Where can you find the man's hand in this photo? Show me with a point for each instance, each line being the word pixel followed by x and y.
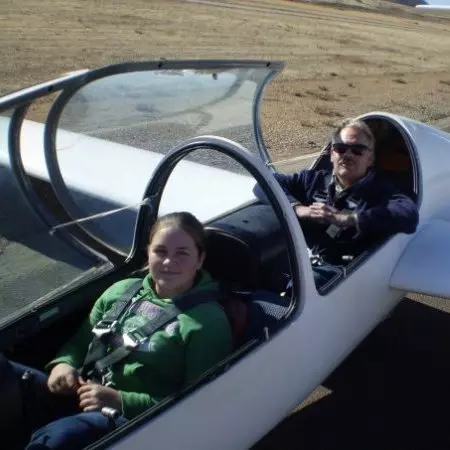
pixel 325 214
pixel 318 212
pixel 322 213
pixel 63 379
pixel 93 397
pixel 302 212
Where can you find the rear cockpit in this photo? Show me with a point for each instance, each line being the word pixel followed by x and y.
pixel 396 159
pixel 395 156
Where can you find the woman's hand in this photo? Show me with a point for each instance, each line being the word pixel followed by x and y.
pixel 63 379
pixel 93 397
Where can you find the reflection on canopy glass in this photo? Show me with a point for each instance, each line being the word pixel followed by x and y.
pixel 32 262
pixel 114 130
pixel 155 110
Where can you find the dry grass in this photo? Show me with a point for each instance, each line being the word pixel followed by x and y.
pixel 339 62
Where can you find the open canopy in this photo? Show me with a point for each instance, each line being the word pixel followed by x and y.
pixel 93 147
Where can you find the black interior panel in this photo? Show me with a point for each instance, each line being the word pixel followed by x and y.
pixel 247 248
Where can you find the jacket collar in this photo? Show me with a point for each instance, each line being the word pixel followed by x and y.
pixel 336 189
pixel 203 281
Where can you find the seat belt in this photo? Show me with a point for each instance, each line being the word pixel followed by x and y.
pixel 105 328
pixel 109 322
pixel 99 364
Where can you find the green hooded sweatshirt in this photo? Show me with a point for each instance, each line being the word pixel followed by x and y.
pixel 174 356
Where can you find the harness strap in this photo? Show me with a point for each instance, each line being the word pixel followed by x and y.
pixel 99 345
pixel 132 339
pixel 119 307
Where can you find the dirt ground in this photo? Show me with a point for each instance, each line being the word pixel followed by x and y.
pixel 339 61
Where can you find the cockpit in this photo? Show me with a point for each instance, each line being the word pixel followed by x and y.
pixel 115 156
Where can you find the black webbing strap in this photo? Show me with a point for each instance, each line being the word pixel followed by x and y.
pixel 121 305
pixel 166 315
pixel 99 345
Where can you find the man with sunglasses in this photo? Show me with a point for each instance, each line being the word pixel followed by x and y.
pixel 347 210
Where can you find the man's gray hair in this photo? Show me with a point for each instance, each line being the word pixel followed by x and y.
pixel 361 126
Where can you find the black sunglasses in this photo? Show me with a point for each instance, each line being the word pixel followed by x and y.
pixel 356 149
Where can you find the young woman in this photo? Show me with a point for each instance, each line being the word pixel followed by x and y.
pixel 163 363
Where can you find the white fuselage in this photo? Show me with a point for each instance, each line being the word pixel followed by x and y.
pixel 239 407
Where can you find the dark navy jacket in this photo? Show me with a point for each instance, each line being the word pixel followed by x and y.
pixel 382 211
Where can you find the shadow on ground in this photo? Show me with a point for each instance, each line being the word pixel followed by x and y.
pixel 391 393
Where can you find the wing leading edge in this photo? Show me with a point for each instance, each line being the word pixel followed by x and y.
pixel 431 244
pixel 434 7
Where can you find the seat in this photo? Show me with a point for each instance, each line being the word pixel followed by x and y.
pixel 267 315
pixel 230 260
pixel 393 158
pixel 238 314
pixel 255 315
pixel 245 253
pixel 248 249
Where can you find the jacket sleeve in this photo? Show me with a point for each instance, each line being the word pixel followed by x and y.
pixel 208 343
pixel 134 403
pixel 74 351
pixel 293 185
pixel 397 214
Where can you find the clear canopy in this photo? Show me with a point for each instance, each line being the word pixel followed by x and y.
pixel 33 262
pixel 107 132
pixel 113 131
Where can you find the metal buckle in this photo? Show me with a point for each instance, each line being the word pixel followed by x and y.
pixel 316 260
pixel 132 339
pixel 104 327
pixel 287 289
pixel 107 378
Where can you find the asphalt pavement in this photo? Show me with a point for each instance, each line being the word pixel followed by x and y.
pixel 391 393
